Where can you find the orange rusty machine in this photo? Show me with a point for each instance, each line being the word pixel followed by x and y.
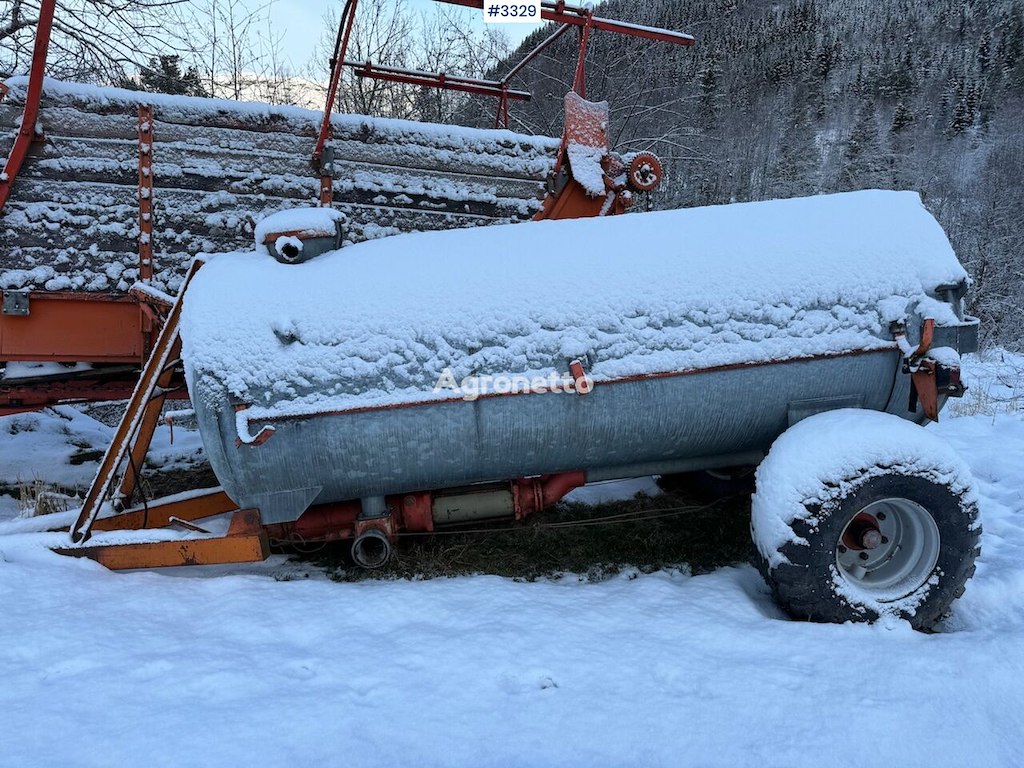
pixel 131 343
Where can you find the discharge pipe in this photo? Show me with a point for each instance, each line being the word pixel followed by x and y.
pixel 371 549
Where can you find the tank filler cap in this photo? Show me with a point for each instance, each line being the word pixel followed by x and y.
pixel 300 234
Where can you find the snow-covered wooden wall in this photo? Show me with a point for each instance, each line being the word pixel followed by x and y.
pixel 218 166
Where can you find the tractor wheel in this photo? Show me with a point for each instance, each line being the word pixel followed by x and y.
pixel 859 515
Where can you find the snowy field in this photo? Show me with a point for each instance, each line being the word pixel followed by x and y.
pixel 276 665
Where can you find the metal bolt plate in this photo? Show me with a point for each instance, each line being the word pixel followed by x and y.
pixel 16 303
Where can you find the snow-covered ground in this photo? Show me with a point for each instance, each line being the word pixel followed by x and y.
pixel 275 665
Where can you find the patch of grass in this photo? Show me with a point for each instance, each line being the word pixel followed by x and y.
pixel 165 482
pixel 41 498
pixel 644 533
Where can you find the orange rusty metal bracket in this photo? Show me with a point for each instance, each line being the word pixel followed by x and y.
pixel 925 390
pixel 245 542
pixel 927 335
pixel 147 428
pixel 244 436
pixel 159 514
pixel 924 385
pixel 572 202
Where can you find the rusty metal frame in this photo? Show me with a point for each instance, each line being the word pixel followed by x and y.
pixel 113 383
pixel 438 80
pixel 559 12
pixel 245 542
pixel 140 417
pixel 248 539
pixel 70 327
pixel 345 23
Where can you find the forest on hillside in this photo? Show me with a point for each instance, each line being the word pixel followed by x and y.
pixel 780 99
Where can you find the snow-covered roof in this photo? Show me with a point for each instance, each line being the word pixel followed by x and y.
pixel 379 322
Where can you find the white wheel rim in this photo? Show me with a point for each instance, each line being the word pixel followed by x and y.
pixel 889 548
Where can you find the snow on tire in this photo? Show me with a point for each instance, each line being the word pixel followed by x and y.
pixel 859 514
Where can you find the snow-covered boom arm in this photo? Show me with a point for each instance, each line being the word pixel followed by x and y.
pixel 588 179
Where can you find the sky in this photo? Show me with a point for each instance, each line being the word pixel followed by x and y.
pixel 301 22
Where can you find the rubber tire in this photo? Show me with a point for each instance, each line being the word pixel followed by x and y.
pixel 806 586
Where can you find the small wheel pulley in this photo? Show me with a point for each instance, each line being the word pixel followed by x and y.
pixel 645 172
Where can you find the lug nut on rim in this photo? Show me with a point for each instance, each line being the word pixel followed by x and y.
pixel 871 538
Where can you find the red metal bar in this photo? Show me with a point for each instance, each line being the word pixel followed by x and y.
pixel 536 52
pixel 503 104
pixel 567 14
pixel 17 396
pixel 326 190
pixel 502 111
pixel 27 133
pixel 436 80
pixel 579 82
pixel 348 17
pixel 145 192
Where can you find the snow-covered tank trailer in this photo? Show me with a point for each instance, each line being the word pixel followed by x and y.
pixel 407 379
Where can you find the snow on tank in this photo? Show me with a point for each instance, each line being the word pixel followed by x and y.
pixel 381 322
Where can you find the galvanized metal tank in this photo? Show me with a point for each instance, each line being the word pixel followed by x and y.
pixel 319 384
